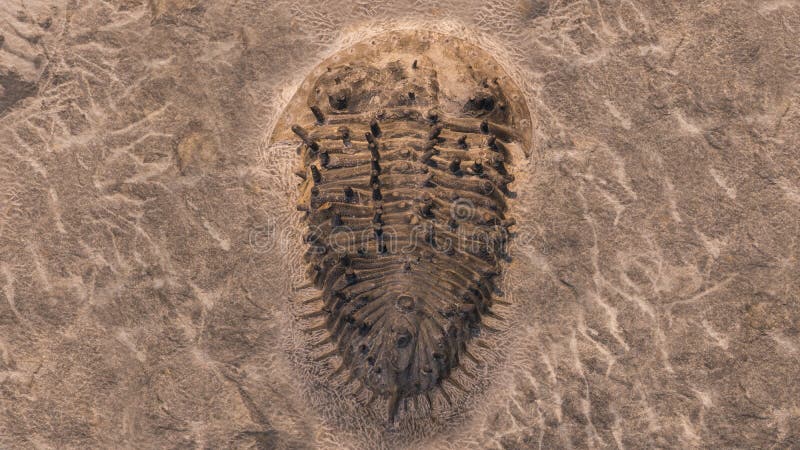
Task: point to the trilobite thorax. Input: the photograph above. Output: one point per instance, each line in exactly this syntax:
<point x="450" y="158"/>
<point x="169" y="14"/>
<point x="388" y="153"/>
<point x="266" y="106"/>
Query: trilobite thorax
<point x="405" y="159"/>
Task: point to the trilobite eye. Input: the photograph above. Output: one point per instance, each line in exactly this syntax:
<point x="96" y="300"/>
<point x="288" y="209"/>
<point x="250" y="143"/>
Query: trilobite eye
<point x="480" y="102"/>
<point x="339" y="99"/>
<point x="487" y="103"/>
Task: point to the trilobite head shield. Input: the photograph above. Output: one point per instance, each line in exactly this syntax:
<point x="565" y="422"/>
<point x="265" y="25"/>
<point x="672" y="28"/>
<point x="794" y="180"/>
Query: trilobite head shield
<point x="406" y="143"/>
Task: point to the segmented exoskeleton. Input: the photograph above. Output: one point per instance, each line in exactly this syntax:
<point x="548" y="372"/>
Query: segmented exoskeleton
<point x="405" y="165"/>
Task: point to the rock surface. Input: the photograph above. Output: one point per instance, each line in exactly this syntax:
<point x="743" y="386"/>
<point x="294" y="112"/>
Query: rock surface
<point x="149" y="249"/>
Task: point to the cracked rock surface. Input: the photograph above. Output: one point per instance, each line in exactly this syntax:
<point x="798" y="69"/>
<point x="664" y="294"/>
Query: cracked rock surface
<point x="151" y="253"/>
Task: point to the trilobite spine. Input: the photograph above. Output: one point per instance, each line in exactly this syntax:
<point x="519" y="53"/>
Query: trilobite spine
<point x="405" y="200"/>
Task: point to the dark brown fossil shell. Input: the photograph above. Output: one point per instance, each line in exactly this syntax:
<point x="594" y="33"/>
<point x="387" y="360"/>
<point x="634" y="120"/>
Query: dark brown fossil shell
<point x="406" y="160"/>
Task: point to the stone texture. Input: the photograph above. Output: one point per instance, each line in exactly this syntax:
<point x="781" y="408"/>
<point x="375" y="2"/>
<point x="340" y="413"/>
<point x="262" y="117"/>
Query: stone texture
<point x="149" y="250"/>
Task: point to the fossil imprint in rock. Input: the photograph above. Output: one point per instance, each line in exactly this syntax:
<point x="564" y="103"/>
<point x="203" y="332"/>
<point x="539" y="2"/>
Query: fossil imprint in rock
<point x="406" y="143"/>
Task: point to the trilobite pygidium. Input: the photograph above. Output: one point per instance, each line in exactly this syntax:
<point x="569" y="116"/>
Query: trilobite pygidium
<point x="405" y="144"/>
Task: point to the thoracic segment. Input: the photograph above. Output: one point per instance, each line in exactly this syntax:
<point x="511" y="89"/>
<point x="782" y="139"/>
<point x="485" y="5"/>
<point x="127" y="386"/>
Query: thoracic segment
<point x="406" y="207"/>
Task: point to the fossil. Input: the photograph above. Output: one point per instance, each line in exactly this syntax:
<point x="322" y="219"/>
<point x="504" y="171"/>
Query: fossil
<point x="406" y="144"/>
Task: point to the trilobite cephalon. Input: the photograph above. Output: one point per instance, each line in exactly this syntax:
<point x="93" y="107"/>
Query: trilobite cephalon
<point x="405" y="149"/>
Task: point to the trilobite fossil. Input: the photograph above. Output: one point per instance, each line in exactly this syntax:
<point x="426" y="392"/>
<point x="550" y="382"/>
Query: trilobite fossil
<point x="405" y="144"/>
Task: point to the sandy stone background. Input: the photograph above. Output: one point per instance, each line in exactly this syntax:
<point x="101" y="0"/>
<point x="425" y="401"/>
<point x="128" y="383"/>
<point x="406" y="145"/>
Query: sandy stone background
<point x="149" y="247"/>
